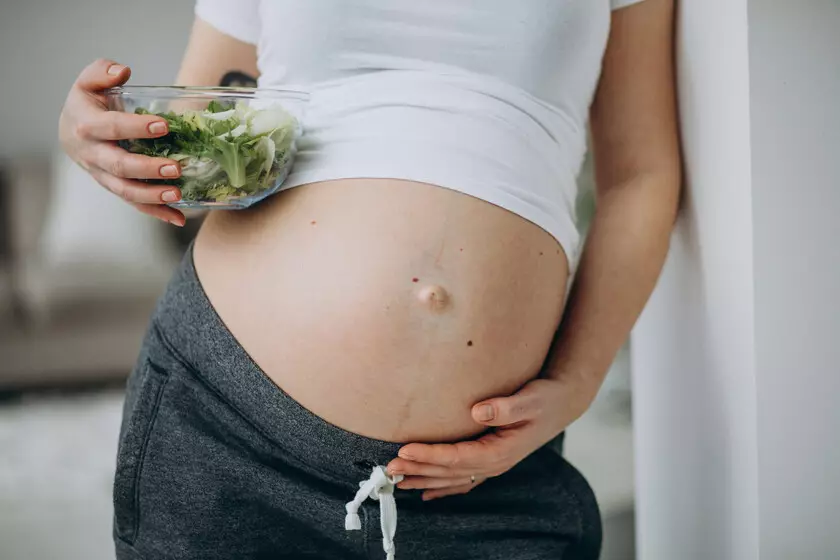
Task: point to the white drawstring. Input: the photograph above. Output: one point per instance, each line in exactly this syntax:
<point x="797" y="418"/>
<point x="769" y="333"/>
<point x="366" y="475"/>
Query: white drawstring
<point x="380" y="486"/>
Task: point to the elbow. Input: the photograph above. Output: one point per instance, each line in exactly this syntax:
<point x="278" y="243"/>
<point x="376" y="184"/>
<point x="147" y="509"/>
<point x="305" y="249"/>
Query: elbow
<point x="656" y="194"/>
<point x="664" y="190"/>
<point x="674" y="196"/>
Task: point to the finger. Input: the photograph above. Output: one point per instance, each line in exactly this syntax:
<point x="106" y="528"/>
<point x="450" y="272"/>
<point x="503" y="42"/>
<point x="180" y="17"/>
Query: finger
<point x="519" y="407"/>
<point x="412" y="468"/>
<point x="116" y="125"/>
<point x="451" y="491"/>
<point x="164" y="213"/>
<point x="489" y="450"/>
<point x="102" y="74"/>
<point x="136" y="191"/>
<point x="121" y="163"/>
<point x="424" y="482"/>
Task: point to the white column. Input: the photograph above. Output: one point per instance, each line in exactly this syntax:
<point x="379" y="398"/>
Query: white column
<point x="692" y="350"/>
<point x="736" y="361"/>
<point x="795" y="83"/>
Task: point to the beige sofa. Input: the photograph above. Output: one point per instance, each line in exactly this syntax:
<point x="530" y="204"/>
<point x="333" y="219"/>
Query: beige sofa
<point x="80" y="278"/>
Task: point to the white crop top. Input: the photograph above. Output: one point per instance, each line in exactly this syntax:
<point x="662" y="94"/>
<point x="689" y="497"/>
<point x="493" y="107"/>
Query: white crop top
<point x="486" y="97"/>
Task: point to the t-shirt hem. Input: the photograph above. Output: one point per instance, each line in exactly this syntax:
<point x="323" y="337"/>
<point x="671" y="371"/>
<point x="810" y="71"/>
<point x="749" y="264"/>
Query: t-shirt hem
<point x="228" y="26"/>
<point x="618" y="4"/>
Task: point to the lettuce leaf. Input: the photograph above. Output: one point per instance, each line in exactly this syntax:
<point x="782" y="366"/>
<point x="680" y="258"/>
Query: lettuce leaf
<point x="225" y="151"/>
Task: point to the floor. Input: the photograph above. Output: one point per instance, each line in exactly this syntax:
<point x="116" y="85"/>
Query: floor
<point x="58" y="455"/>
<point x="55" y="476"/>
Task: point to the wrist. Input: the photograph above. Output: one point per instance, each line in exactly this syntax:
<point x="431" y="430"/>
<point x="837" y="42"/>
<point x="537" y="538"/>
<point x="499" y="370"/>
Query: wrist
<point x="563" y="368"/>
<point x="581" y="382"/>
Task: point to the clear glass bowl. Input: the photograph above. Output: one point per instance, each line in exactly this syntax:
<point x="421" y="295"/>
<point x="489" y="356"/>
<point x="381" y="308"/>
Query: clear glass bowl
<point x="235" y="145"/>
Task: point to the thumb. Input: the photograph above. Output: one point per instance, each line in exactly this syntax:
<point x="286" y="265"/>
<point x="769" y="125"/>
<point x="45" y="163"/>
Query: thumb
<point x="505" y="410"/>
<point x="103" y="74"/>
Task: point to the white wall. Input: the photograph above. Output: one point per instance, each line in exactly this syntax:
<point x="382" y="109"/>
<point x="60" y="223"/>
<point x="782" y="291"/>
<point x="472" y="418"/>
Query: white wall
<point x="45" y="43"/>
<point x="736" y="362"/>
<point x="795" y="75"/>
<point x="692" y="350"/>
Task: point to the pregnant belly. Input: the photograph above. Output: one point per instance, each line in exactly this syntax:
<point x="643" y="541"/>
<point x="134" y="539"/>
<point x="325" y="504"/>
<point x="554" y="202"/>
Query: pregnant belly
<point x="386" y="307"/>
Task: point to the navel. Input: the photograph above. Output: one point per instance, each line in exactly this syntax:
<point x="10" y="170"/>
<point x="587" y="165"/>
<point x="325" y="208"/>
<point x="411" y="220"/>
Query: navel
<point x="434" y="297"/>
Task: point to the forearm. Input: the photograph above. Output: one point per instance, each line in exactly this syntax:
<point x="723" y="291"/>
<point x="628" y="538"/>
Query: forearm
<point x="622" y="260"/>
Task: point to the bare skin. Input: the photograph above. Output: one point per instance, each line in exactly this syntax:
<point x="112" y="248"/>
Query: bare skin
<point x="411" y="313"/>
<point x="381" y="317"/>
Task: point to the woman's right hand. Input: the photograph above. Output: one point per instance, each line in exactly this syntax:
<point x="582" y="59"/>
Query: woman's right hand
<point x="88" y="132"/>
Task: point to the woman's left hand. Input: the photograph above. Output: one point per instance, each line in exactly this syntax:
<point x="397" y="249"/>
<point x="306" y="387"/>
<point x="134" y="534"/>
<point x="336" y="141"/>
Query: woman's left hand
<point x="522" y="422"/>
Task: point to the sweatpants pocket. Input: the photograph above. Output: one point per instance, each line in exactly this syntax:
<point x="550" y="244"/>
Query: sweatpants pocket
<point x="143" y="401"/>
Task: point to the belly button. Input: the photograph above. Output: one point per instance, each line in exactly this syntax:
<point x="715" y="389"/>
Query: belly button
<point x="434" y="297"/>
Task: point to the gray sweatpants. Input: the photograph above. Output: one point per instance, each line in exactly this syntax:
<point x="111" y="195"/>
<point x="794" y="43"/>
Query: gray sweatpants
<point x="216" y="462"/>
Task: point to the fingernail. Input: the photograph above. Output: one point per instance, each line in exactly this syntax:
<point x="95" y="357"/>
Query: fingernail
<point x="157" y="127"/>
<point x="170" y="196"/>
<point x="115" y="69"/>
<point x="485" y="412"/>
<point x="406" y="455"/>
<point x="169" y="171"/>
<point x="176" y="223"/>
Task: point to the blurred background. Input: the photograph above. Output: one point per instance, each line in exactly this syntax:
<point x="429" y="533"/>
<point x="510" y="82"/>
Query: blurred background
<point x="79" y="274"/>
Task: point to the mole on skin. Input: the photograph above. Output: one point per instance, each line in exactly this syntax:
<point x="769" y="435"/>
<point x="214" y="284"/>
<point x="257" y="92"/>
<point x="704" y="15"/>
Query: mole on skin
<point x="433" y="297"/>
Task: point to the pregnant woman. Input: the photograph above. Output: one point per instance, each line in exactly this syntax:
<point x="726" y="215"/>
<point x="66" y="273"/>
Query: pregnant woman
<point x="394" y="336"/>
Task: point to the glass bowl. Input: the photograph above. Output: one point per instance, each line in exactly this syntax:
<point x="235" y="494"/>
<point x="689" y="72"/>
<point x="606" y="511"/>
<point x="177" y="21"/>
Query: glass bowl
<point x="235" y="146"/>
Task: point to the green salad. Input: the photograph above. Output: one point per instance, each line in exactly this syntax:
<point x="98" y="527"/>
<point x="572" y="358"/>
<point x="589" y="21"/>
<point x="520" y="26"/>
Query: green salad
<point x="226" y="151"/>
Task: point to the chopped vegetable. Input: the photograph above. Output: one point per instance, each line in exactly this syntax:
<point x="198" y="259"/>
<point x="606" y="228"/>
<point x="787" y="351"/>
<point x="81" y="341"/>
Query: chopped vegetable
<point x="225" y="152"/>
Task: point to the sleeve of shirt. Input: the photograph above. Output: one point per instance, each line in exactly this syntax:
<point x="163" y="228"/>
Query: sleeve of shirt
<point x="616" y="4"/>
<point x="238" y="18"/>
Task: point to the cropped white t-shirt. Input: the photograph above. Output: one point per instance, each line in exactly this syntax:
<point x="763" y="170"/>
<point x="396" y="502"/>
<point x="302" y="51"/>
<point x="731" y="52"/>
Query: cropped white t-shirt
<point x="486" y="97"/>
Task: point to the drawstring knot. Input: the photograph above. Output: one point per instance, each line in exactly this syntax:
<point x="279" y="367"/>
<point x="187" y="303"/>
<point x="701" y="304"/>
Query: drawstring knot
<point x="379" y="487"/>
